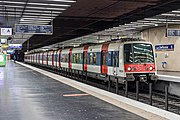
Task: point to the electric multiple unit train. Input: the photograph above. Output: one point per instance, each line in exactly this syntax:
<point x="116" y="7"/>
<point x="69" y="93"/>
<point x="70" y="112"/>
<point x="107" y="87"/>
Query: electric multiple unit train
<point x="126" y="59"/>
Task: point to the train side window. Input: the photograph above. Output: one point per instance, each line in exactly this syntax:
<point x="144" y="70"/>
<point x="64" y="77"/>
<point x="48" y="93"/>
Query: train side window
<point x="109" y="59"/>
<point x="74" y="58"/>
<point x="94" y="58"/>
<point x="98" y="58"/>
<point x="55" y="56"/>
<point x="80" y="58"/>
<point x="58" y="57"/>
<point x="115" y="59"/>
<point x="128" y="56"/>
<point x="90" y="58"/>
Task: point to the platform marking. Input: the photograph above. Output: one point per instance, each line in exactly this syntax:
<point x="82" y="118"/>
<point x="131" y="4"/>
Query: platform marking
<point x="74" y="95"/>
<point x="136" y="107"/>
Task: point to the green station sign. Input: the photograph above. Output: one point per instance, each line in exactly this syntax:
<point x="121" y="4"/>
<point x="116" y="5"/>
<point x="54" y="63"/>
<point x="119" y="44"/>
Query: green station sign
<point x="2" y="60"/>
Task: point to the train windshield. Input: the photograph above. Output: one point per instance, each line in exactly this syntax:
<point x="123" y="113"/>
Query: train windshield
<point x="138" y="53"/>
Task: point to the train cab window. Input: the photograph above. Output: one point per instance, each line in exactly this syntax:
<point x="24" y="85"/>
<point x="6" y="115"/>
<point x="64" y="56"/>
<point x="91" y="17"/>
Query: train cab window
<point x="128" y="56"/>
<point x="143" y="53"/>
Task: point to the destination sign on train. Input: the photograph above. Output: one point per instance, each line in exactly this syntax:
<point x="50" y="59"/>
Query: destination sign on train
<point x="34" y="29"/>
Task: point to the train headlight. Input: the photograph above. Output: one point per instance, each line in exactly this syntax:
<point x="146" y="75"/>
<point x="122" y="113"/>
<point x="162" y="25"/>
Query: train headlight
<point x="129" y="69"/>
<point x="151" y="68"/>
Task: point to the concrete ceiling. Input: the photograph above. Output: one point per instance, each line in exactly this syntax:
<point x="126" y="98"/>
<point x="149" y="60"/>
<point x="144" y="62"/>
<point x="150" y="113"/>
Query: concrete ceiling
<point x="84" y="17"/>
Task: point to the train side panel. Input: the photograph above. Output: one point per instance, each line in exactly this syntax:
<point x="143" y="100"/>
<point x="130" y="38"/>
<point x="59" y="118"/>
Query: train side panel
<point x="94" y="59"/>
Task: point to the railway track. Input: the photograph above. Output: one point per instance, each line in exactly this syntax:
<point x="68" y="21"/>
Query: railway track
<point x="158" y="98"/>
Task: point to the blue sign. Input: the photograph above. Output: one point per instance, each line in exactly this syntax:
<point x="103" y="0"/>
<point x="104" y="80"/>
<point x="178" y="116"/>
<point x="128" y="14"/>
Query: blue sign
<point x="173" y="32"/>
<point x="15" y="46"/>
<point x="169" y="47"/>
<point x="34" y="29"/>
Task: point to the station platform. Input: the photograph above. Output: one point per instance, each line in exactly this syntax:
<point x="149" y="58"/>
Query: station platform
<point x="29" y="93"/>
<point x="169" y="76"/>
<point x="176" y="74"/>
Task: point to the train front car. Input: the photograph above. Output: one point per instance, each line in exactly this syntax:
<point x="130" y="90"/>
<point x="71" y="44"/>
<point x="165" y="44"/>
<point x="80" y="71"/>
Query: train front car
<point x="139" y="62"/>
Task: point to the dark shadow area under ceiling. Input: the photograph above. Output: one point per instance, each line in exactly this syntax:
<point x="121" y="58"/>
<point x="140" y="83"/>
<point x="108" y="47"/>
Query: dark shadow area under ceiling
<point x="85" y="17"/>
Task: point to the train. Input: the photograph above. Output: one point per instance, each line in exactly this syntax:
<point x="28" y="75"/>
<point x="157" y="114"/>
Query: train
<point x="126" y="59"/>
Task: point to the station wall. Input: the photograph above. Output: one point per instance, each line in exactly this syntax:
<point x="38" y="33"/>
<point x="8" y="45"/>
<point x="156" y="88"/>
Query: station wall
<point x="158" y="37"/>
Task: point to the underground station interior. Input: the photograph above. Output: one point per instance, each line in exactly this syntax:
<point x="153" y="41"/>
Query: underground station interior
<point x="90" y="60"/>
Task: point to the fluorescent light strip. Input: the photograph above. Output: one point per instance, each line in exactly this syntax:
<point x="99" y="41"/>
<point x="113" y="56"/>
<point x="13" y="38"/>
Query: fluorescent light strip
<point x="12" y="6"/>
<point x="19" y="13"/>
<point x="176" y="11"/>
<point x="43" y="4"/>
<point x="10" y="15"/>
<point x="35" y="19"/>
<point x="166" y="14"/>
<point x="37" y="11"/>
<point x="31" y="16"/>
<point x="71" y="1"/>
<point x="13" y="2"/>
<point x="33" y="23"/>
<point x="45" y="8"/>
<point x="24" y="20"/>
<point x="40" y="14"/>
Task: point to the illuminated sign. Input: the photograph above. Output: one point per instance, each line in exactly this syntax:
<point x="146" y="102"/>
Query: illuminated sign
<point x="34" y="29"/>
<point x="173" y="32"/>
<point x="6" y="31"/>
<point x="3" y="41"/>
<point x="10" y="51"/>
<point x="4" y="46"/>
<point x="169" y="47"/>
<point x="15" y="46"/>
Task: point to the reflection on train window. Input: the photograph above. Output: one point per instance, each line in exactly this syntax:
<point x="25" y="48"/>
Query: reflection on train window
<point x="94" y="59"/>
<point x="91" y="58"/>
<point x="64" y="57"/>
<point x="128" y="56"/>
<point x="49" y="56"/>
<point x="55" y="57"/>
<point x="115" y="58"/>
<point x="40" y="57"/>
<point x="77" y="58"/>
<point x="44" y="57"/>
<point x="109" y="59"/>
<point x="85" y="58"/>
<point x="143" y="53"/>
<point x="58" y="57"/>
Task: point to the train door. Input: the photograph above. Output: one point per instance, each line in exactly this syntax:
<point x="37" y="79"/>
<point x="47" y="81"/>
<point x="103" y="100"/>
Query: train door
<point x="115" y="57"/>
<point x="104" y="67"/>
<point x="70" y="59"/>
<point x="85" y="56"/>
<point x="104" y="53"/>
<point x="53" y="60"/>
